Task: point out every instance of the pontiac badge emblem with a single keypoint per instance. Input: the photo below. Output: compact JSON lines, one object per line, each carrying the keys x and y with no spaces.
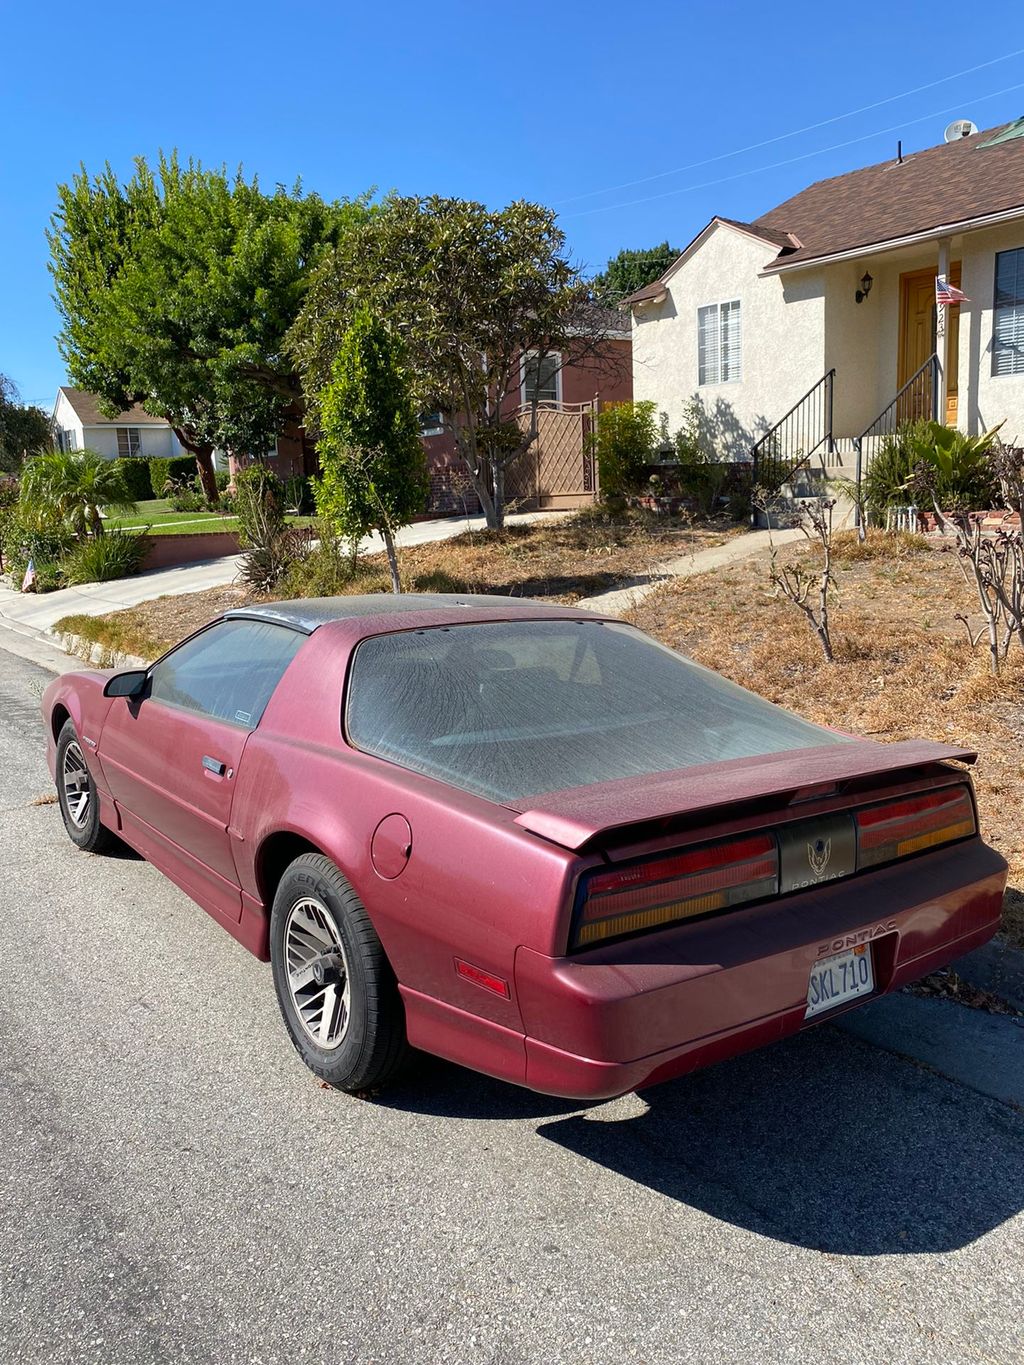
{"x":818,"y":855}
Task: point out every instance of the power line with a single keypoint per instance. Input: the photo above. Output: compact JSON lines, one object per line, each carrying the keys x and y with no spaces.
{"x":782,"y":137}
{"x":789,"y":161}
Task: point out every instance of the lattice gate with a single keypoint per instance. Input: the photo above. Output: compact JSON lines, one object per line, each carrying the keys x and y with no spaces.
{"x":558,"y":470}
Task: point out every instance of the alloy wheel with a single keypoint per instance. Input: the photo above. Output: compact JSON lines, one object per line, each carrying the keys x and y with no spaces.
{"x":318,"y":975}
{"x":77,"y":785}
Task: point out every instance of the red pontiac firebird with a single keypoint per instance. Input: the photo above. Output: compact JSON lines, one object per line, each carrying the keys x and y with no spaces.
{"x":526,"y":838}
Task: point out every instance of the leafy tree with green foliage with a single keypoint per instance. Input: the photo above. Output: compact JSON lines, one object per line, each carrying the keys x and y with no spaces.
{"x":24,"y":428}
{"x":374,"y":466}
{"x":69,"y":487}
{"x":176,"y":290}
{"x":632,"y":270}
{"x":469,"y":292}
{"x":626,"y":440}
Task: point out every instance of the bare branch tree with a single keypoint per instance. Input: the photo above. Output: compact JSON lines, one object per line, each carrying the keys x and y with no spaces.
{"x":808,"y":588}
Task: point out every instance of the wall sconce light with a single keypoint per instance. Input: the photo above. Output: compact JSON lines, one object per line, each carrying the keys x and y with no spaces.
{"x":865,"y":287}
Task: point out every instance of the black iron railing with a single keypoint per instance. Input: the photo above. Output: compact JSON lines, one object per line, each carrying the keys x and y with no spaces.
{"x":791,"y":442}
{"x":918,"y":399}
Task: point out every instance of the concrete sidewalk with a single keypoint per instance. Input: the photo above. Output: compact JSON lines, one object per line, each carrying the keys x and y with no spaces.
{"x":618,"y":601}
{"x":33,"y":613}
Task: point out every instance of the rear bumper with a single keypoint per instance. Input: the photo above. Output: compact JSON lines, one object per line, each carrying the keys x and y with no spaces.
{"x":650,"y":1008}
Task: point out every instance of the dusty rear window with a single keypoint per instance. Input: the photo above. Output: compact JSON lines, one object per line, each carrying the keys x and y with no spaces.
{"x":518,"y":708}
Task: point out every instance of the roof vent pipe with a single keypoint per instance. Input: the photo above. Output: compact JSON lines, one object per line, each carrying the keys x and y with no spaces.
{"x":899,"y":152}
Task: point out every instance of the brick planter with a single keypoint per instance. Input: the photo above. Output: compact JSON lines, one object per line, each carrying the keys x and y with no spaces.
{"x":989,"y":521}
{"x":167,"y":552}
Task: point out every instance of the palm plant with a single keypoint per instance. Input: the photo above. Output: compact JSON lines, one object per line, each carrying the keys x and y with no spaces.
{"x":69,"y":488}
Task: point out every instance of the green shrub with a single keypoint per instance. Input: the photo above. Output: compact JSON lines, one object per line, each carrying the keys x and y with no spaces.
{"x":44,"y":546}
{"x":187,"y":497}
{"x":624,"y":443}
{"x":270,"y":545}
{"x":327,"y":569}
{"x":959,"y":468}
{"x":164,"y":472}
{"x":135,"y":472}
{"x":116,"y":554}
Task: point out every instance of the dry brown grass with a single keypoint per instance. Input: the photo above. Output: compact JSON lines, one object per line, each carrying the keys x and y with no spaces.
{"x":559,"y":561}
{"x":903,"y":667}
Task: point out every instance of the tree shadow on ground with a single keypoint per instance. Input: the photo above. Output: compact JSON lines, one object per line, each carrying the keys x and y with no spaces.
{"x":823,"y":1142}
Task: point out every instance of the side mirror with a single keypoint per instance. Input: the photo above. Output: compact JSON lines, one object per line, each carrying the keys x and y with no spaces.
{"x":126,"y":684}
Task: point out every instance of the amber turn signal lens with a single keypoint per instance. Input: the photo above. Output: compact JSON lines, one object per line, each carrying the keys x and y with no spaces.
{"x":896,"y":829}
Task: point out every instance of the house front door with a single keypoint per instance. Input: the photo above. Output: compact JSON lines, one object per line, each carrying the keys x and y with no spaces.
{"x":917,"y":333}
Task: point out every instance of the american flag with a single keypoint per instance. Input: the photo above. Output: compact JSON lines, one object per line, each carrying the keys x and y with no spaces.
{"x":945,"y":294}
{"x":28,"y":583}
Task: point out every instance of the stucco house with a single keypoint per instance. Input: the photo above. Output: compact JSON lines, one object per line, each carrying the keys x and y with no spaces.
{"x":814,"y":328}
{"x":78,"y":424}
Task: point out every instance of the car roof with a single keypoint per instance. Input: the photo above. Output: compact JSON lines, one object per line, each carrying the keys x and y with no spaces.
{"x":307,"y":614}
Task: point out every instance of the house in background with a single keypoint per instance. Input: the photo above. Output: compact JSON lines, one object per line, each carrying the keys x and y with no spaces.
{"x":814,"y":329}
{"x":558,"y":470}
{"x":78,"y":424}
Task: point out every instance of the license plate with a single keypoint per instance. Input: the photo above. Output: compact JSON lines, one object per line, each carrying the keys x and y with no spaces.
{"x":839,"y":979}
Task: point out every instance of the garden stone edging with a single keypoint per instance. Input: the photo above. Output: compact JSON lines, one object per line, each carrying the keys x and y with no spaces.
{"x":90,"y":652}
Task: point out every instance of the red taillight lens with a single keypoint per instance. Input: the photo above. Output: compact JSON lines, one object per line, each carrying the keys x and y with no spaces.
{"x":648,"y":895}
{"x":913,"y":823}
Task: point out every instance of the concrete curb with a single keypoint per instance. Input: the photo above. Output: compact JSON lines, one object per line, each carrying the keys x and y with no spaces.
{"x":997,"y":967}
{"x":984,"y":1052}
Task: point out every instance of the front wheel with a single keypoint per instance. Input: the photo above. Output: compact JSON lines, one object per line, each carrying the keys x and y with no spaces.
{"x":335,"y":987}
{"x":77,"y":796}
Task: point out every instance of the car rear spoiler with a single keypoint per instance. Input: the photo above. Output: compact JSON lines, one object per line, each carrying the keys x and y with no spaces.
{"x":575,"y":816}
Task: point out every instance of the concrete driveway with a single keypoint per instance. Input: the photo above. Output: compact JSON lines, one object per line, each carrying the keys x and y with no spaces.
{"x":175,"y":1187}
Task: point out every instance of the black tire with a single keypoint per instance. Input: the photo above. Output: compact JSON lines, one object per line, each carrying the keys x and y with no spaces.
{"x":83,"y":822}
{"x":314,"y":898}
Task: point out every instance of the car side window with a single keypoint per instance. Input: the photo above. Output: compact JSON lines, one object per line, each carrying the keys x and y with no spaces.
{"x":229,"y":671}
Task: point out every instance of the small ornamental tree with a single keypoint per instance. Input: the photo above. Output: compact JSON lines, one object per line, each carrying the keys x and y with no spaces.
{"x":374,"y":467}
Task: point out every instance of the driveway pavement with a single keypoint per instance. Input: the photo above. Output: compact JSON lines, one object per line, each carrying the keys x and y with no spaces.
{"x":37,"y":612}
{"x":175,"y":1187}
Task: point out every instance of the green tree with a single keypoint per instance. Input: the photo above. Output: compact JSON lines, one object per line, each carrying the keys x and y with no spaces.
{"x":176,"y":290}
{"x":632,"y":270}
{"x":68,"y":489}
{"x":374,"y":468}
{"x":625,"y":442}
{"x":24,"y":428}
{"x":470,"y":292}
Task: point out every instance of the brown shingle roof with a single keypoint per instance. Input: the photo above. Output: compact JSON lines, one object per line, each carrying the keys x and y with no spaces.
{"x":952,"y":183}
{"x":786,"y":243}
{"x":87,"y":409}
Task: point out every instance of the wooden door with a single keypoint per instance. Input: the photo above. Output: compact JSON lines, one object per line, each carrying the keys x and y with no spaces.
{"x":917,"y":331}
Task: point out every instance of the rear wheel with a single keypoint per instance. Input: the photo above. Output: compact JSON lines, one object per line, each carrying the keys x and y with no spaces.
{"x":77,"y":796}
{"x":335,"y":987}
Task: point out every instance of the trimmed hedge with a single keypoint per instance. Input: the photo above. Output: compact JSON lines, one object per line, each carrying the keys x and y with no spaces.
{"x":136,"y":477}
{"x":183,"y":467}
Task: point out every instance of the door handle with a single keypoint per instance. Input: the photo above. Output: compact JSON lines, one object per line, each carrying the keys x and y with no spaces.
{"x":214,"y":765}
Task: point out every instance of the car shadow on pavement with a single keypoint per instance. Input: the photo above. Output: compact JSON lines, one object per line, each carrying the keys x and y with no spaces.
{"x":444,"y":1090}
{"x":823,"y":1142}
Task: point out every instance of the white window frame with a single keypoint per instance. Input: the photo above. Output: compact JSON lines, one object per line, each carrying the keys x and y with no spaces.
{"x":524,"y":399}
{"x":432,"y":428}
{"x":710,"y":374}
{"x":68,"y":442}
{"x":1008,"y":360}
{"x":130,"y":452}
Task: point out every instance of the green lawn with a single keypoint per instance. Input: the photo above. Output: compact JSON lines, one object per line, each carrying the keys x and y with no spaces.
{"x":156,"y":514}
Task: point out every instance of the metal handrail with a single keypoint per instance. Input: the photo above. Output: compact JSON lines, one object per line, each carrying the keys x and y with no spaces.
{"x":931,"y":366}
{"x":795,"y":437}
{"x":899,"y":411}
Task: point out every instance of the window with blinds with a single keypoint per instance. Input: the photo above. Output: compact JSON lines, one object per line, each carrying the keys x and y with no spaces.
{"x":1008,"y":326}
{"x":128,"y":442}
{"x":541,"y":377}
{"x":718,"y":343}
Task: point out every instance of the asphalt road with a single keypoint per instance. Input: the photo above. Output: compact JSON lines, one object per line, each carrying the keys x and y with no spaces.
{"x":174,"y":1186}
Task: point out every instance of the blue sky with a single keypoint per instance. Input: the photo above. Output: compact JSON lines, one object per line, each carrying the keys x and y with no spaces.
{"x":489,"y":102}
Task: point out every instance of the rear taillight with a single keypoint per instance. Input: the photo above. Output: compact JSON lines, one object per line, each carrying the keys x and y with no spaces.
{"x":626,"y":900}
{"x":913,"y":823}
